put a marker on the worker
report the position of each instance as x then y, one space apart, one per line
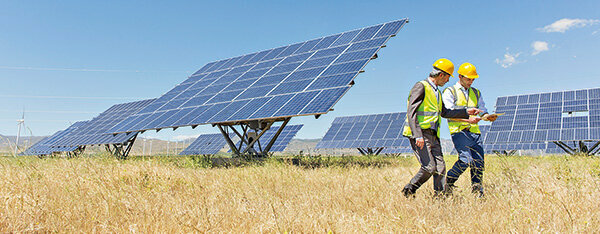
466 135
423 120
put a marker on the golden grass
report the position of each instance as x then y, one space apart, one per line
541 194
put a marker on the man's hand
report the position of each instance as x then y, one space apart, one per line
420 142
473 111
474 119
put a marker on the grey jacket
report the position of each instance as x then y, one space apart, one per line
415 98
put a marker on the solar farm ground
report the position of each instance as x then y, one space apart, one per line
350 194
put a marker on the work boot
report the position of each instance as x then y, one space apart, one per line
409 191
440 195
478 190
449 189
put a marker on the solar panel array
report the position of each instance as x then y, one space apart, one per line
379 130
46 146
281 142
391 150
306 78
96 132
557 116
206 144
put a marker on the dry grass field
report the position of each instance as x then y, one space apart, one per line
100 194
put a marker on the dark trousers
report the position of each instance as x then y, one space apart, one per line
432 162
468 145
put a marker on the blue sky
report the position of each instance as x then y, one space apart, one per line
65 61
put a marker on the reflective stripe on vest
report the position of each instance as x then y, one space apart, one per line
428 113
461 102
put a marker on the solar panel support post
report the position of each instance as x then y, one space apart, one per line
565 147
263 130
266 150
370 151
228 139
121 151
378 150
75 153
594 149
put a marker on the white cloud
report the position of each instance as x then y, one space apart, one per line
565 24
185 137
539 46
509 59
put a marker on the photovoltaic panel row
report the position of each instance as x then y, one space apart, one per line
206 144
96 131
45 146
306 78
282 141
402 150
379 130
518 146
557 116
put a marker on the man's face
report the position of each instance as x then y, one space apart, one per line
465 82
442 79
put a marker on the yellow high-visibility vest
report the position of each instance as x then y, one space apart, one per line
461 102
428 113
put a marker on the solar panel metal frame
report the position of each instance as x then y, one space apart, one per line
189 119
287 134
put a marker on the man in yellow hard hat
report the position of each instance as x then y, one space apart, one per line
466 135
423 120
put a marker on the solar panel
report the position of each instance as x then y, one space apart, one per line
378 130
394 150
206 144
44 147
95 132
557 116
305 78
282 141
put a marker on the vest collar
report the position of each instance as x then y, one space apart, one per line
433 85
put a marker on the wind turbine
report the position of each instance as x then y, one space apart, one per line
20 123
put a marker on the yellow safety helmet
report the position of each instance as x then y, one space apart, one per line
468 70
444 65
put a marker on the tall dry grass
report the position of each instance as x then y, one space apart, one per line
541 194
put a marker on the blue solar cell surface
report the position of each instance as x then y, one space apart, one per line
556 116
282 141
45 146
379 130
397 150
306 78
95 132
206 144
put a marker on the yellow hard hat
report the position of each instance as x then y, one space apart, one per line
468 70
444 65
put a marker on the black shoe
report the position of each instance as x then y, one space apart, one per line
409 191
478 190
